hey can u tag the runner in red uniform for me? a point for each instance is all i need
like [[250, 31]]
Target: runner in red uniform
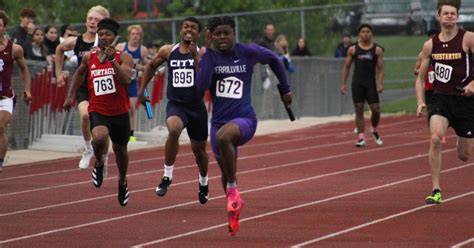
[[9, 52], [108, 103], [449, 52]]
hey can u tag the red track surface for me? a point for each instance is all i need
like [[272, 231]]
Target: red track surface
[[309, 187]]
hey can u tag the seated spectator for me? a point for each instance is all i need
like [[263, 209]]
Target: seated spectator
[[22, 33], [301, 48], [35, 49], [341, 49]]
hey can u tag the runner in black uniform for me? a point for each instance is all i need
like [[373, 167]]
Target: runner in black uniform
[[367, 81], [81, 44], [450, 53]]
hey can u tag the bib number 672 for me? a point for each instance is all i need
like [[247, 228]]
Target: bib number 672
[[230, 87]]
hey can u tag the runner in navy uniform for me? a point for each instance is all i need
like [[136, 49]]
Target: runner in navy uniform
[[185, 108], [452, 102], [367, 81]]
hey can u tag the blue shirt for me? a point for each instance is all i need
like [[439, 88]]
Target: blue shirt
[[228, 77]]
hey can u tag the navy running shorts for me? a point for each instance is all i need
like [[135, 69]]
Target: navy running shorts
[[193, 115]]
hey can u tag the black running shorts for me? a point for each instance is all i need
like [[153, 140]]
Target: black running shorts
[[459, 110], [118, 125]]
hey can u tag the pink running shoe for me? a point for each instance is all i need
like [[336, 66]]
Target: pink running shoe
[[234, 207]]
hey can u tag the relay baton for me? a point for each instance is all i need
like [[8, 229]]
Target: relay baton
[[288, 109], [114, 43], [149, 112]]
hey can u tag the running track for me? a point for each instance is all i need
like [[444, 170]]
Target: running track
[[305, 188]]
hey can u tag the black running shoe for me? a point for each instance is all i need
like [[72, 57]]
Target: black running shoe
[[98, 176], [163, 187], [203, 194], [123, 194]]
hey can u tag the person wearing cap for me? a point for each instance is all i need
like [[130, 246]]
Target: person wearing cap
[[81, 44], [108, 74]]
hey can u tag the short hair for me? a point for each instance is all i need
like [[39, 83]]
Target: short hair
[[65, 27], [129, 29], [454, 3], [28, 12], [109, 24], [195, 20], [4, 17], [99, 9], [364, 25], [222, 20]]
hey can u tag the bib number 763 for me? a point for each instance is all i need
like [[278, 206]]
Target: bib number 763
[[230, 87], [104, 85]]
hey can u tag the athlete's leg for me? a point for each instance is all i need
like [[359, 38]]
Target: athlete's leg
[[200, 154], [464, 147], [100, 136], [133, 117], [438, 127], [175, 127], [5, 118], [375, 116], [226, 138], [359, 118]]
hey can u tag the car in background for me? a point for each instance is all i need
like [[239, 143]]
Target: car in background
[[395, 16]]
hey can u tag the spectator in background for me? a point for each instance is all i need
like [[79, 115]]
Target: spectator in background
[[281, 45], [268, 38], [341, 49], [139, 53], [51, 38], [301, 48], [36, 49], [22, 33], [70, 58]]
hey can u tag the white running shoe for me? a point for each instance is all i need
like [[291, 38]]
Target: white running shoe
[[360, 143], [86, 159], [377, 138]]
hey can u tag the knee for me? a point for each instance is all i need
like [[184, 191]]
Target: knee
[[222, 140], [174, 132], [435, 141], [85, 118], [200, 154]]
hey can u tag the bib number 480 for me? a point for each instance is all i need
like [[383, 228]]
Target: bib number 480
[[443, 72]]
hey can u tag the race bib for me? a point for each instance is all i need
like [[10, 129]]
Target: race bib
[[431, 77], [104, 85], [230, 87], [443, 72], [183, 78]]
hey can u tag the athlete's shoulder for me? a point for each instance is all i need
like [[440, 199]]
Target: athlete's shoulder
[[379, 46]]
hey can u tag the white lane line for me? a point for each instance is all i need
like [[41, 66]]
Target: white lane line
[[461, 244], [249, 146], [240, 159], [243, 192], [310, 204], [393, 216]]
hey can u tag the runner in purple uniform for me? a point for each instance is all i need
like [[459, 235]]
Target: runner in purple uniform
[[226, 70]]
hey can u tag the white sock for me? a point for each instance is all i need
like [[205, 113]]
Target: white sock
[[203, 181], [88, 144], [168, 171], [232, 184]]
